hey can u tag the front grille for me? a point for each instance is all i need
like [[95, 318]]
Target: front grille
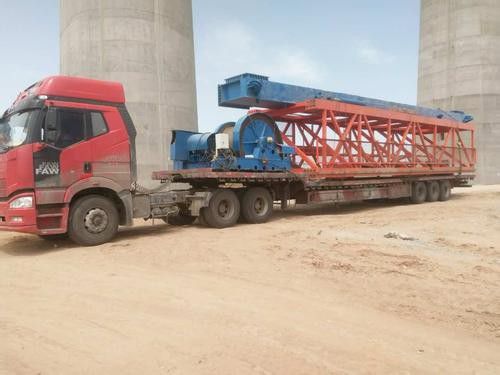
[[3, 188]]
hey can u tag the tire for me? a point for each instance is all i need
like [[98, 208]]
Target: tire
[[444, 190], [418, 192], [180, 220], [223, 209], [433, 191], [257, 205], [53, 237], [93, 220]]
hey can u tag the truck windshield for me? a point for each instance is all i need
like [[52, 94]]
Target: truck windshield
[[14, 129]]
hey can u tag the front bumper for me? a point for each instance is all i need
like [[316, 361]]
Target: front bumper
[[19, 219]]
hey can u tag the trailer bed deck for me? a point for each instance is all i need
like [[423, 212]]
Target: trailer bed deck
[[340, 177]]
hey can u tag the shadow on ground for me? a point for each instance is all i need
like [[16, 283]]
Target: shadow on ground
[[27, 245], [348, 208]]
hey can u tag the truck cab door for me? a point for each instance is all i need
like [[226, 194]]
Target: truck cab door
[[110, 147], [65, 156]]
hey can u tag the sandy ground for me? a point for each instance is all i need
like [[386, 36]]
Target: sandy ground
[[317, 290]]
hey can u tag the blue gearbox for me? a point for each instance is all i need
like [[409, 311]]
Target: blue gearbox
[[254, 144]]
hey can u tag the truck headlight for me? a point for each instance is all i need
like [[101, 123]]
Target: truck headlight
[[22, 202]]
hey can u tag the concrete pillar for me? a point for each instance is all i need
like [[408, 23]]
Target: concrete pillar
[[148, 46], [459, 68]]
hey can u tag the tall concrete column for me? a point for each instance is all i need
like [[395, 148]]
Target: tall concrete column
[[459, 68], [148, 46]]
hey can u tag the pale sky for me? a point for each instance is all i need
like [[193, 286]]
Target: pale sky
[[362, 47]]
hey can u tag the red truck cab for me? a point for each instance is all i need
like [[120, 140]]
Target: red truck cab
[[64, 139]]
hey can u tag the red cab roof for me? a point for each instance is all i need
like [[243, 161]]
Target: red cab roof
[[81, 88]]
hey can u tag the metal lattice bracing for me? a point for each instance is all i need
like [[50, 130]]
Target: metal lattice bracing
[[341, 139]]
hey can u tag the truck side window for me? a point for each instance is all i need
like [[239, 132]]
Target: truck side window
[[98, 124], [72, 128]]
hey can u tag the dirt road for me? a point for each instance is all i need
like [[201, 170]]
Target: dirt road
[[317, 290]]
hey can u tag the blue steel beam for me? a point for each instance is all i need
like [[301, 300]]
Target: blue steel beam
[[252, 90]]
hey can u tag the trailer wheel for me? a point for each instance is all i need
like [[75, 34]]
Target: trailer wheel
[[180, 220], [223, 209], [444, 190], [418, 192], [257, 205], [432, 191], [93, 220]]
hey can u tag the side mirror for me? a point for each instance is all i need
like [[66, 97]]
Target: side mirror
[[50, 129]]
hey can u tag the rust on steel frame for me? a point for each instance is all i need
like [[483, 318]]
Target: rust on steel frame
[[335, 138]]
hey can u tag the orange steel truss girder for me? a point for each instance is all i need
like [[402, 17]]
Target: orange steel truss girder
[[335, 137]]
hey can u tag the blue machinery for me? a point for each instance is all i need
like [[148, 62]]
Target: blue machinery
[[254, 143]]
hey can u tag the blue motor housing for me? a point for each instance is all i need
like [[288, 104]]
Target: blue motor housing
[[191, 149], [255, 144]]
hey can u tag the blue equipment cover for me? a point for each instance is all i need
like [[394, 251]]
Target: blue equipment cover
[[252, 90], [255, 145]]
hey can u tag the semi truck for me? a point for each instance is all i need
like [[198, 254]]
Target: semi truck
[[68, 164]]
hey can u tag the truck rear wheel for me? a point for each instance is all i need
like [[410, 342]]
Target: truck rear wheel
[[418, 192], [432, 191], [93, 220], [223, 209], [444, 190], [257, 205]]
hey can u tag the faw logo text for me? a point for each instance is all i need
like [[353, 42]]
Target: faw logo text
[[47, 168]]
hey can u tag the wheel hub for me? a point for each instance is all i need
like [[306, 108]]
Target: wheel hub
[[223, 208], [96, 220], [260, 206]]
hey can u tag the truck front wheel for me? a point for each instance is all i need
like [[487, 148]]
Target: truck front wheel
[[223, 209], [93, 220], [257, 205]]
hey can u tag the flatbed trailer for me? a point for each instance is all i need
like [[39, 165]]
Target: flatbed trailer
[[343, 152], [308, 188]]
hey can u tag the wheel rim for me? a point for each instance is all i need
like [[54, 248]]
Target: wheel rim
[[260, 206], [96, 221], [225, 209]]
